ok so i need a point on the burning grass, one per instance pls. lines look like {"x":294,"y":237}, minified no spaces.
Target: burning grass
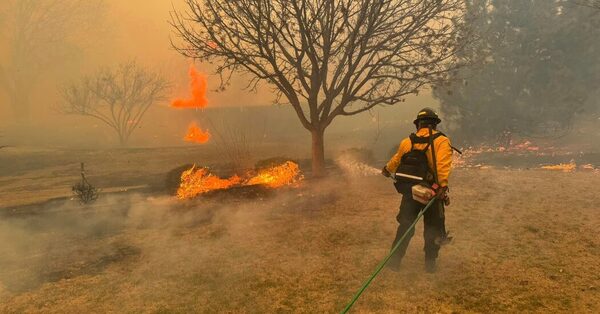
{"x":526,"y":155}
{"x":196,"y":181}
{"x":562,"y":167}
{"x":285,"y":174}
{"x":308,"y":250}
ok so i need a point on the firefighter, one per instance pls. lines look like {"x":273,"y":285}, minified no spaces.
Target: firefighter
{"x":429,"y":150}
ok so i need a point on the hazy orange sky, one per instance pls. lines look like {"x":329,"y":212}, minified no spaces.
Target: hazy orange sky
{"x":142,"y":31}
{"x":139,"y":30}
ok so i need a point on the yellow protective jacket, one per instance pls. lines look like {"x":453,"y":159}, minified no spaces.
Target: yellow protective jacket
{"x":443,"y":155}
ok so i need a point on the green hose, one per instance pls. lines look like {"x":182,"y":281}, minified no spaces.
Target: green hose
{"x":382,"y":264}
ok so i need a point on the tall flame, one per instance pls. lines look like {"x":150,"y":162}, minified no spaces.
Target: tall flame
{"x":198,"y":86}
{"x":277,"y":176}
{"x":197,"y":181}
{"x":196,"y":135}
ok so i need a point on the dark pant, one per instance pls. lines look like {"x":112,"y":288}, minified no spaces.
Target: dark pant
{"x":434,"y":227}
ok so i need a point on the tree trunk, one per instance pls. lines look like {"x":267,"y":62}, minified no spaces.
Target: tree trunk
{"x":123,"y":139}
{"x":318,"y":153}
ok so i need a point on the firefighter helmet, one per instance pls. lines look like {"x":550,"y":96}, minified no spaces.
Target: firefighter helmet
{"x":427,"y":114}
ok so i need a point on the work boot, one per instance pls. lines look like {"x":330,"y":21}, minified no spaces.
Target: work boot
{"x":430,"y":266}
{"x":444,"y":239}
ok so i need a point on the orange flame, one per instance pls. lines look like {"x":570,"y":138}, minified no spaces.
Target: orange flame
{"x":198,"y":181}
{"x":196,"y":135}
{"x":277,"y":176}
{"x":198,"y":85}
{"x":564,"y":167}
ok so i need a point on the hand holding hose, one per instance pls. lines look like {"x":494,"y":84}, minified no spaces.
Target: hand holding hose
{"x":442,"y":193}
{"x":385,"y":172}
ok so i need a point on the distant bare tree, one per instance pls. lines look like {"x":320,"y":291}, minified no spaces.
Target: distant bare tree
{"x":36,"y":35}
{"x":118,"y":97}
{"x":326,"y":58}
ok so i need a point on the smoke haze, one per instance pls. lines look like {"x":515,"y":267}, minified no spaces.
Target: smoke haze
{"x":524,"y":214}
{"x":139,"y":30}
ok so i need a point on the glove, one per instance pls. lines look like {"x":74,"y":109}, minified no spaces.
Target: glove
{"x":385,"y":172}
{"x":442,"y":193}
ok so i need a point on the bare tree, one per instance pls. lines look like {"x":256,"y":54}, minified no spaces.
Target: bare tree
{"x":325,"y":58}
{"x":118,"y":97}
{"x":237,"y":140}
{"x":38,"y":34}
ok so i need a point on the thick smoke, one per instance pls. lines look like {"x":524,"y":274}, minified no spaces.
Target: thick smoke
{"x":64,"y":240}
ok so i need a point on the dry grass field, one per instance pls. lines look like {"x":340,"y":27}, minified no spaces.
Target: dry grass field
{"x":525,"y":241}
